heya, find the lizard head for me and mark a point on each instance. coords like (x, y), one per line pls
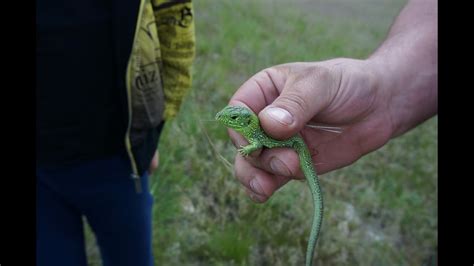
(238, 118)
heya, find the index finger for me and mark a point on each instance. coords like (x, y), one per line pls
(260, 90)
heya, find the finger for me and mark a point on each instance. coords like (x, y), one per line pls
(307, 91)
(261, 89)
(256, 180)
(278, 161)
(255, 197)
(239, 141)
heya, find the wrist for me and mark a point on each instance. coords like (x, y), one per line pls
(409, 90)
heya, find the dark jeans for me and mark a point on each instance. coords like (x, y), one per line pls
(104, 193)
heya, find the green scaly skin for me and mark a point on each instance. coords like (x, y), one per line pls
(245, 122)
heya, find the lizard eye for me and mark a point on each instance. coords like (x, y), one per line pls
(233, 117)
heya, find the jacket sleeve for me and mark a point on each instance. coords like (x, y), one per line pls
(175, 26)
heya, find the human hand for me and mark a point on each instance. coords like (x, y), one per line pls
(339, 92)
(373, 100)
(154, 163)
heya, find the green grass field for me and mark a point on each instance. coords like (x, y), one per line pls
(382, 210)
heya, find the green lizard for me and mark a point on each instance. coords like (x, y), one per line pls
(245, 122)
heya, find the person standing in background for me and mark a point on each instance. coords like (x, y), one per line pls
(109, 74)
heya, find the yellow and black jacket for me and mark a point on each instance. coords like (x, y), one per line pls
(109, 73)
(158, 73)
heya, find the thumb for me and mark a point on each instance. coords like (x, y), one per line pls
(307, 91)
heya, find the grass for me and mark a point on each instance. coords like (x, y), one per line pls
(382, 210)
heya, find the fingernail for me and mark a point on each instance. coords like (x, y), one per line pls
(254, 197)
(280, 115)
(256, 187)
(278, 167)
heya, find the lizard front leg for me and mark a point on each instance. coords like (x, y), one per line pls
(247, 150)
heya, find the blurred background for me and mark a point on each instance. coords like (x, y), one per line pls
(380, 211)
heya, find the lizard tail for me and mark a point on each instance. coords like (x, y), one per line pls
(309, 172)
